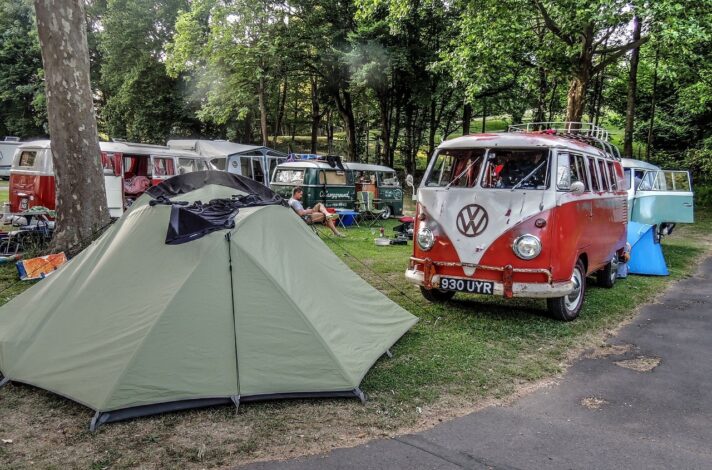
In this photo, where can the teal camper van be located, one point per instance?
(336, 184)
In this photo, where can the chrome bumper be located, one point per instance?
(539, 290)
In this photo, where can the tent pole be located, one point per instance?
(4, 381)
(234, 318)
(360, 395)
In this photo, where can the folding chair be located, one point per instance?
(366, 208)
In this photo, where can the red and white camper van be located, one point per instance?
(521, 214)
(129, 169)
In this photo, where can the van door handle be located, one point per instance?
(687, 204)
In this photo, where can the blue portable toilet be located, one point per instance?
(646, 254)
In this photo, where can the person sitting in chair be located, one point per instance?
(316, 215)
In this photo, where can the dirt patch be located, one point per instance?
(640, 363)
(607, 350)
(593, 403)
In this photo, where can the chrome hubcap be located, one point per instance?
(614, 268)
(572, 300)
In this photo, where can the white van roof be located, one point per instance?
(518, 140)
(119, 147)
(219, 148)
(324, 165)
(632, 163)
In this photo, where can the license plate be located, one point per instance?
(467, 285)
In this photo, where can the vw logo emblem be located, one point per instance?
(472, 220)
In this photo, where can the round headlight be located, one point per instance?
(425, 238)
(527, 247)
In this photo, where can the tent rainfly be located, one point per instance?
(182, 304)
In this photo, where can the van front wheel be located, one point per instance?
(437, 295)
(567, 308)
(387, 212)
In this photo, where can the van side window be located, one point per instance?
(603, 173)
(570, 169)
(27, 159)
(336, 177)
(163, 167)
(186, 165)
(595, 182)
(613, 176)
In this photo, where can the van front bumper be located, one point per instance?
(538, 290)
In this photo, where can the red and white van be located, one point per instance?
(521, 214)
(129, 169)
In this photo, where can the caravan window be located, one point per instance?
(458, 168)
(603, 172)
(613, 176)
(27, 158)
(289, 176)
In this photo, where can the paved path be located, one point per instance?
(657, 419)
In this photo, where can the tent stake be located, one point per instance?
(360, 395)
(96, 421)
(389, 353)
(4, 381)
(236, 400)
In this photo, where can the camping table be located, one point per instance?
(349, 216)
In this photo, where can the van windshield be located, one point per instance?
(457, 168)
(516, 169)
(289, 176)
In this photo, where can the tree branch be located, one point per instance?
(620, 50)
(551, 24)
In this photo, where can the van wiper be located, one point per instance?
(462, 173)
(526, 178)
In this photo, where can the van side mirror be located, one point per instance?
(108, 172)
(409, 180)
(577, 187)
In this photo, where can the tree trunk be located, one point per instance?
(484, 115)
(540, 115)
(263, 111)
(632, 88)
(315, 114)
(408, 150)
(553, 99)
(280, 111)
(466, 118)
(576, 98)
(346, 111)
(383, 104)
(81, 196)
(395, 136)
(433, 124)
(651, 125)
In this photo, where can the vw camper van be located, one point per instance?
(524, 213)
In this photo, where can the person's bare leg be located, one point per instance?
(321, 208)
(330, 223)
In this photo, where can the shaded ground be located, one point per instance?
(460, 357)
(654, 413)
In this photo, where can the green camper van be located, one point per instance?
(337, 186)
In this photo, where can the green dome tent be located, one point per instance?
(247, 304)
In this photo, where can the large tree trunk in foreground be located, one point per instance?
(79, 178)
(632, 88)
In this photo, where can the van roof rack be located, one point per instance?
(580, 131)
(9, 138)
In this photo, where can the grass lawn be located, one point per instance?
(461, 355)
(3, 191)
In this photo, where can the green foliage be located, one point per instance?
(22, 101)
(142, 102)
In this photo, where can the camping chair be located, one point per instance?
(366, 209)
